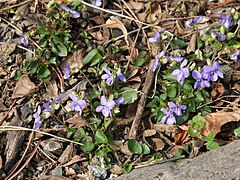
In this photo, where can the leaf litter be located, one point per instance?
(116, 33)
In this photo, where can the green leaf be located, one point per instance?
(210, 137)
(191, 105)
(87, 144)
(43, 71)
(142, 58)
(100, 137)
(234, 44)
(88, 58)
(134, 147)
(59, 49)
(33, 67)
(128, 167)
(129, 94)
(96, 59)
(17, 75)
(212, 145)
(145, 149)
(183, 118)
(172, 91)
(216, 45)
(193, 132)
(198, 96)
(178, 44)
(103, 151)
(237, 132)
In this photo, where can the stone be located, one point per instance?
(221, 163)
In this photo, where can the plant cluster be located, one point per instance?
(181, 87)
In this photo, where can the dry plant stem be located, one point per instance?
(142, 102)
(15, 5)
(25, 164)
(217, 107)
(52, 160)
(231, 103)
(122, 36)
(5, 116)
(228, 96)
(23, 156)
(59, 75)
(159, 162)
(16, 128)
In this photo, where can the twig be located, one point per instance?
(142, 102)
(5, 116)
(23, 156)
(26, 163)
(159, 162)
(16, 128)
(15, 5)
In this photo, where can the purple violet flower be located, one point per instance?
(37, 117)
(121, 77)
(226, 21)
(67, 72)
(176, 109)
(193, 21)
(74, 14)
(77, 104)
(119, 101)
(156, 37)
(182, 73)
(201, 79)
(108, 76)
(156, 62)
(24, 39)
(47, 106)
(97, 3)
(220, 37)
(212, 72)
(169, 117)
(105, 106)
(236, 56)
(177, 59)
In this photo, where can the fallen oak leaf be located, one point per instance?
(215, 121)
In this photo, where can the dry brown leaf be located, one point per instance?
(76, 121)
(182, 135)
(75, 61)
(67, 154)
(218, 90)
(69, 171)
(51, 90)
(24, 87)
(6, 49)
(192, 44)
(149, 132)
(215, 121)
(137, 6)
(157, 143)
(115, 23)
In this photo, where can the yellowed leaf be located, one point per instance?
(24, 87)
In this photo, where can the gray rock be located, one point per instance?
(221, 163)
(57, 171)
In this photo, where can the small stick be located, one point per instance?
(16, 128)
(142, 102)
(15, 5)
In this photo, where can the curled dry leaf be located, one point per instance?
(115, 23)
(24, 87)
(51, 90)
(215, 121)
